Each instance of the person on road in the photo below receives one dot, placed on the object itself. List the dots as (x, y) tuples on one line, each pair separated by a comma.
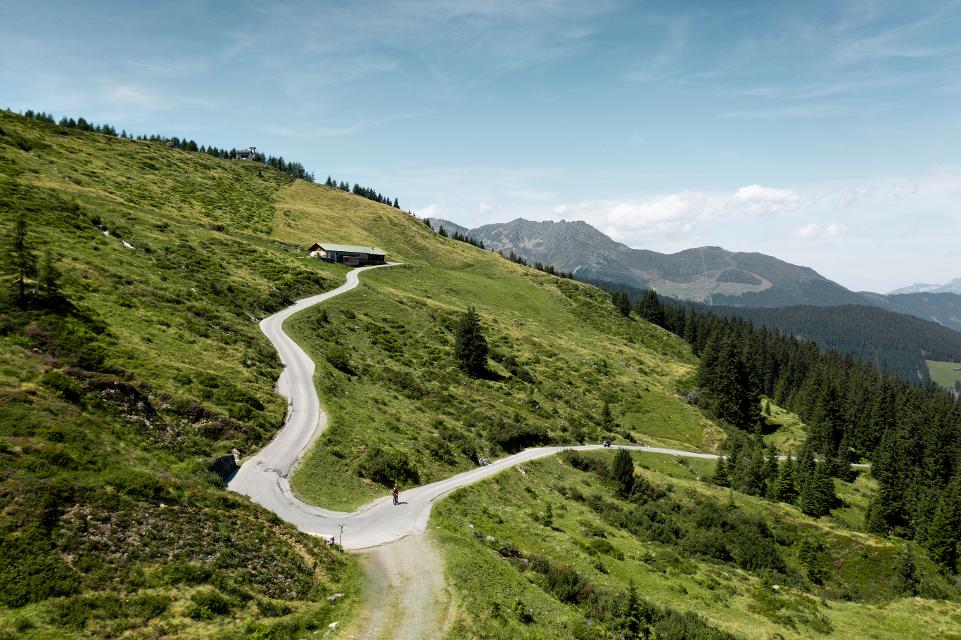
[(396, 493)]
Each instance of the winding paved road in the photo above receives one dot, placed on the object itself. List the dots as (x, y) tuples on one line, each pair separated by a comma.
[(265, 476)]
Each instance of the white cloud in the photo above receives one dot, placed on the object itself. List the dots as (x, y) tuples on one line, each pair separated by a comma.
[(818, 232), (756, 200), (808, 231), (430, 211), (678, 214)]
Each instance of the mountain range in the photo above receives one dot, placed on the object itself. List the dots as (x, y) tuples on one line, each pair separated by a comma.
[(710, 275), (952, 287)]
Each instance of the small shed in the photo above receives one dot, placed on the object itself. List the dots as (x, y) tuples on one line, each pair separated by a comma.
[(246, 154), (349, 254)]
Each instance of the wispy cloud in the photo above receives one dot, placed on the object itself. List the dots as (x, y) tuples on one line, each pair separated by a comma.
[(814, 231), (678, 214), (338, 131)]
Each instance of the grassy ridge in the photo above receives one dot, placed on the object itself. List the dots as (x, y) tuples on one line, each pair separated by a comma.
[(494, 533), (559, 355), (111, 405)]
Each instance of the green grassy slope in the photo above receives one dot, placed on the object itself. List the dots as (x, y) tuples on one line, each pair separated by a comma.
[(502, 534), (110, 406), (944, 373), (400, 402)]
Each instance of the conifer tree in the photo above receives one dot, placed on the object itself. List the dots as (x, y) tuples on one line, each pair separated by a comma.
[(817, 495), (49, 280), (944, 530), (20, 258), (721, 476), (621, 303), (632, 614), (606, 420), (770, 471), (470, 346), (650, 308), (905, 580), (621, 471), (785, 487)]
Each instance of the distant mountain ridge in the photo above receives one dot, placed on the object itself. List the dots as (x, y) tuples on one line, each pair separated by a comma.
[(703, 274), (710, 275), (951, 287)]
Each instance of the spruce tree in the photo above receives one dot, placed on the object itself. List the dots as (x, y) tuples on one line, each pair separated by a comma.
[(607, 420), (770, 471), (20, 258), (632, 614), (905, 580), (650, 308), (785, 487), (721, 476), (470, 346), (943, 531), (817, 495), (621, 303), (49, 280), (621, 472)]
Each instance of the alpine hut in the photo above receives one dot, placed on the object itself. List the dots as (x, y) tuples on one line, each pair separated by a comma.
[(349, 254)]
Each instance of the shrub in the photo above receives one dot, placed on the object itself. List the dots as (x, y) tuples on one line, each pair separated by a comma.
[(30, 570), (567, 584), (387, 466), (339, 359), (272, 608), (65, 386), (136, 483), (584, 462), (600, 545), (208, 603), (516, 435), (74, 613), (184, 573)]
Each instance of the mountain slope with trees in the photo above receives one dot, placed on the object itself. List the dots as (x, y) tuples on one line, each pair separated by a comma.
[(133, 358), (705, 274), (898, 343), (129, 359), (895, 342)]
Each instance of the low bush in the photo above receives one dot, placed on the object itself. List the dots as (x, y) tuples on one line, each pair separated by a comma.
[(387, 466), (513, 436), (31, 570), (208, 603), (339, 359)]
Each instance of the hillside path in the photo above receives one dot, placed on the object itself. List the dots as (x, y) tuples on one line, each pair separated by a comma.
[(265, 477)]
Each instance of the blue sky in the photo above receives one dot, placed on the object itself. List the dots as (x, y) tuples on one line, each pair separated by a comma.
[(827, 134)]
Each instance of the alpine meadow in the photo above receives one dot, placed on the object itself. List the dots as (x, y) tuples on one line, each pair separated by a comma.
[(133, 358), (480, 321)]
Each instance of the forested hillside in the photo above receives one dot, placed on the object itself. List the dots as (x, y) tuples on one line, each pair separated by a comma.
[(894, 342), (910, 434)]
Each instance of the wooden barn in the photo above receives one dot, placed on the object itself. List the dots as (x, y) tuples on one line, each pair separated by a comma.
[(349, 254)]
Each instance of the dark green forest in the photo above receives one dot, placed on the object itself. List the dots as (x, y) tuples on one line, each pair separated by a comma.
[(893, 342), (855, 412)]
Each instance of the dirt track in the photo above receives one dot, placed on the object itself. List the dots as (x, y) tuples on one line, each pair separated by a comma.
[(405, 595)]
